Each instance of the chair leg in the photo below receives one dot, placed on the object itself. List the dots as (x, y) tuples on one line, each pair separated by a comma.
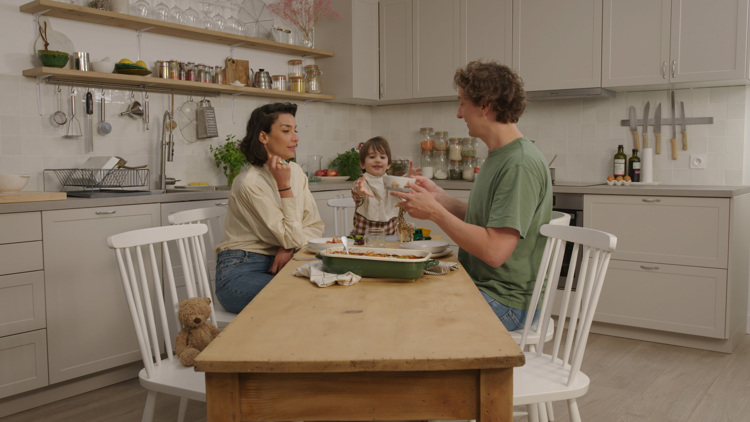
[(550, 412), (575, 415), (183, 409), (148, 410), (542, 412), (533, 411)]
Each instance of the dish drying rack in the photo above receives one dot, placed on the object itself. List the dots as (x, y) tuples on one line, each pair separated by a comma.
[(101, 179)]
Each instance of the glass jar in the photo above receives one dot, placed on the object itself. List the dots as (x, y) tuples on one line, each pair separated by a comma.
[(426, 140), (200, 72), (468, 166), (454, 149), (469, 148), (294, 68), (428, 169), (455, 170), (279, 82), (297, 83), (441, 141), (312, 81), (219, 75), (190, 71), (174, 69), (310, 67), (440, 164)]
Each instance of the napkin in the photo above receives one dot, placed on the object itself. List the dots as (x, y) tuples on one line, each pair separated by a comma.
[(441, 268), (314, 270)]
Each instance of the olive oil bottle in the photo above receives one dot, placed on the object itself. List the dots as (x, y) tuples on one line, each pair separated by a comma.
[(620, 162), (634, 167)]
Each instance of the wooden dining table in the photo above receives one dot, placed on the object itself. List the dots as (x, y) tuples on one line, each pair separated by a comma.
[(380, 349)]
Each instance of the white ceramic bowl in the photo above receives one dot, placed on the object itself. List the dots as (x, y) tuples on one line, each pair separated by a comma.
[(321, 244), (13, 182), (434, 246), (102, 66), (397, 182)]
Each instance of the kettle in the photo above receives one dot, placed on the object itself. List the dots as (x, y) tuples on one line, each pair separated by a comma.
[(261, 79)]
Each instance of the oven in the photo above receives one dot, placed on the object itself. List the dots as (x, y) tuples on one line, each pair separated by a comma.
[(569, 203)]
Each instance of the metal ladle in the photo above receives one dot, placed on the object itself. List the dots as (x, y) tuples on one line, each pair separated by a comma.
[(104, 128), (59, 117), (74, 126)]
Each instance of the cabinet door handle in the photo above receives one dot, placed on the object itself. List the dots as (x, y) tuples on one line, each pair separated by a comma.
[(664, 70), (651, 200), (105, 212), (650, 267), (220, 204), (674, 67), (382, 90)]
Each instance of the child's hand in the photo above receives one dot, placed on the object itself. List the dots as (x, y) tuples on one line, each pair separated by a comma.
[(360, 187), (414, 171)]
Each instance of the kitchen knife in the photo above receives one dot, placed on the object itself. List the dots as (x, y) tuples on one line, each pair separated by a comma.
[(645, 124), (657, 128), (684, 125), (634, 127), (674, 130)]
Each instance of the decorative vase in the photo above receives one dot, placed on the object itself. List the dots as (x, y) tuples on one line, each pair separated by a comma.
[(230, 176), (308, 38)]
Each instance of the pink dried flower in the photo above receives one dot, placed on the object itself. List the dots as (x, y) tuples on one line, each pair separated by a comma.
[(304, 14)]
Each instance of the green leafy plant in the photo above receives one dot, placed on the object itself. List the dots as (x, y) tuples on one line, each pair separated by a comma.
[(347, 164), (229, 158)]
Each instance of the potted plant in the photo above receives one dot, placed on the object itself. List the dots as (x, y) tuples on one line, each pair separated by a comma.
[(229, 158)]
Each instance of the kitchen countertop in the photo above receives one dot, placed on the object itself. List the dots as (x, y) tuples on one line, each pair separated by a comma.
[(219, 195)]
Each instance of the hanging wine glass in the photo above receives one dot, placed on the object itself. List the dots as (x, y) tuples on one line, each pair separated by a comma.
[(218, 23), (192, 17), (208, 9), (141, 8), (233, 24), (175, 13), (160, 12)]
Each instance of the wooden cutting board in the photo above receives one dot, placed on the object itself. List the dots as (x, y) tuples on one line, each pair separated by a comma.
[(13, 197), (237, 70)]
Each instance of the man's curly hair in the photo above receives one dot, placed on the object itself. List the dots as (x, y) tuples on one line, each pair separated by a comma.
[(493, 84)]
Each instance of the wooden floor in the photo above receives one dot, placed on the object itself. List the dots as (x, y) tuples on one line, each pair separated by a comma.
[(630, 381)]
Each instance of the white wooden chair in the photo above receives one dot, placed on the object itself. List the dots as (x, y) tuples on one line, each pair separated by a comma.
[(341, 213), (139, 256), (213, 217), (557, 376)]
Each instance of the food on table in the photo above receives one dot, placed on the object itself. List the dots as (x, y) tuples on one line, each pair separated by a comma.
[(378, 255)]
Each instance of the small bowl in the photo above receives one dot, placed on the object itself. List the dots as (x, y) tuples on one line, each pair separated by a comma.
[(102, 66), (397, 183), (13, 182), (434, 246), (321, 244), (52, 58)]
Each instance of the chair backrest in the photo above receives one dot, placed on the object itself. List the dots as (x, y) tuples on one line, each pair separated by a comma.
[(576, 309), (340, 214), (210, 216), (560, 218), (139, 256)]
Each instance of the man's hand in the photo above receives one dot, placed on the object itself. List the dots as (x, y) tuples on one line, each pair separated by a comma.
[(420, 202), (282, 257)]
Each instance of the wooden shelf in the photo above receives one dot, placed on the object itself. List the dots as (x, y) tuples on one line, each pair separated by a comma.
[(153, 84), (120, 20)]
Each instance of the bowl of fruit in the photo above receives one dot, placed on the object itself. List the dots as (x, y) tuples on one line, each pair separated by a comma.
[(330, 176), (127, 67)]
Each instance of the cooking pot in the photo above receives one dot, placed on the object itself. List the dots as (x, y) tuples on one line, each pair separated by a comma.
[(261, 79), (377, 267)]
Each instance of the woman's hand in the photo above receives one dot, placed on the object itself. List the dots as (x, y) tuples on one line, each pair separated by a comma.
[(360, 188), (280, 171), (282, 257)]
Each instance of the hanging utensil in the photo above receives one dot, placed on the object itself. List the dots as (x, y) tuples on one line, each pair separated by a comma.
[(59, 117), (103, 128), (552, 161), (88, 124), (74, 126), (145, 110), (205, 117)]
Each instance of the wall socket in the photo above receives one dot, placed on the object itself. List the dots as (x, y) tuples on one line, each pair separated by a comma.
[(698, 161)]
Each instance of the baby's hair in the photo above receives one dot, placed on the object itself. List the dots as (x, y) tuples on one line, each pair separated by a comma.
[(377, 144)]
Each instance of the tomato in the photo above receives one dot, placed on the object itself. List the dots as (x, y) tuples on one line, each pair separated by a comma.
[(321, 172), (333, 173)]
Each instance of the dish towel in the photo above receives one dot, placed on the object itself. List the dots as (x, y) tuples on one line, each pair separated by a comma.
[(441, 268), (314, 270)]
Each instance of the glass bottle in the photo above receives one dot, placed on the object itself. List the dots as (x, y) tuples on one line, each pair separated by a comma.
[(428, 169), (620, 162), (455, 170), (440, 163), (469, 148), (441, 141), (469, 164), (426, 141), (634, 167), (454, 149)]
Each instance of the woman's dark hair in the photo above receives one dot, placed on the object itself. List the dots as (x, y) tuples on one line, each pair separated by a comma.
[(377, 144), (261, 120), (493, 84)]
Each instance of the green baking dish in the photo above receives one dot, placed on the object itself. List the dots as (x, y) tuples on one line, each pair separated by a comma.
[(376, 267)]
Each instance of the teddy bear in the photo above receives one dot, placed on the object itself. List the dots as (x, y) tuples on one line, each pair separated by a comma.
[(196, 332)]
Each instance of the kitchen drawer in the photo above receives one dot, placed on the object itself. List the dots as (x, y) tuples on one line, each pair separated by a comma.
[(23, 362), (670, 230), (21, 303), (21, 227), (689, 300), (21, 257)]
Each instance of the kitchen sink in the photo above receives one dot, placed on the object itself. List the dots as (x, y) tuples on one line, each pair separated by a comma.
[(178, 189)]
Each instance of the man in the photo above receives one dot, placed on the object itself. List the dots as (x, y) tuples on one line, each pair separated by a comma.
[(498, 229)]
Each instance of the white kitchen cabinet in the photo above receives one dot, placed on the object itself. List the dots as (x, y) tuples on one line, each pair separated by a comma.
[(436, 47), (89, 328), (680, 273), (557, 44), (487, 31), (23, 362), (673, 41), (396, 58)]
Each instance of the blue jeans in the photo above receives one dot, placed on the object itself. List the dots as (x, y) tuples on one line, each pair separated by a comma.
[(240, 276), (513, 319)]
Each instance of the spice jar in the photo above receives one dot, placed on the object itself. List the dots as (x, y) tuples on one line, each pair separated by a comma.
[(279, 82), (440, 164), (441, 141), (190, 71), (294, 68), (426, 139), (428, 169), (469, 163), (174, 69), (455, 171), (454, 149), (218, 75), (312, 81), (469, 148), (297, 83)]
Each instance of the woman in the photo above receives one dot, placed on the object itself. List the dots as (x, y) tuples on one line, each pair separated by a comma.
[(270, 211)]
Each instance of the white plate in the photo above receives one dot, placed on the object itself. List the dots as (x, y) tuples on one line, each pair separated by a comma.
[(320, 244), (447, 251), (333, 179), (434, 246)]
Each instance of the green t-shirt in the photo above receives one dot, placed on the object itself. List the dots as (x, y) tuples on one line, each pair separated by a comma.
[(513, 190)]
